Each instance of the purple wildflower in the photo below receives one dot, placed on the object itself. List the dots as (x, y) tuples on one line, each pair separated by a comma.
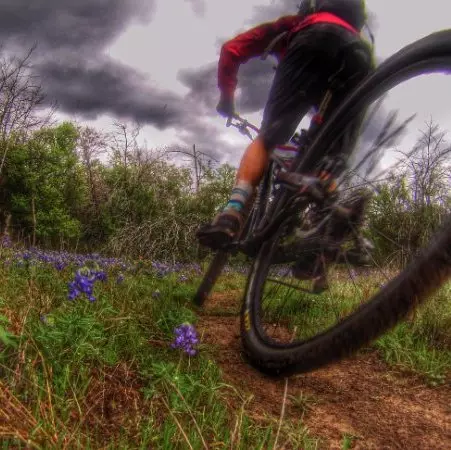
[(186, 339), (100, 275), (82, 284), (60, 265)]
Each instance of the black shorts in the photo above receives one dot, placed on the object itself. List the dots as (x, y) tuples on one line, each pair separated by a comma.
[(301, 81)]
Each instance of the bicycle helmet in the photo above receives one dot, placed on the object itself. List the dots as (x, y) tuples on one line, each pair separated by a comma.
[(353, 11)]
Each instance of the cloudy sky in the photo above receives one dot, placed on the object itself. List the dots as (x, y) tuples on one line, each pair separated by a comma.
[(154, 61)]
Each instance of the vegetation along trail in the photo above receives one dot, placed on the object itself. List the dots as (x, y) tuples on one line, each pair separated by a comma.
[(100, 352)]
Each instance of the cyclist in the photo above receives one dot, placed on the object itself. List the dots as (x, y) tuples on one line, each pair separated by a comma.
[(306, 45)]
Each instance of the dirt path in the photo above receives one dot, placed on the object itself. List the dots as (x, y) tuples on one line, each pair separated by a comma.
[(361, 396)]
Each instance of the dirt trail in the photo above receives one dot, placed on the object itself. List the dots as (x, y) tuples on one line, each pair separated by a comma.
[(360, 396)]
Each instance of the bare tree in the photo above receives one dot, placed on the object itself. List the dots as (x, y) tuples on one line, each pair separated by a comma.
[(21, 96), (124, 142), (201, 161), (428, 166)]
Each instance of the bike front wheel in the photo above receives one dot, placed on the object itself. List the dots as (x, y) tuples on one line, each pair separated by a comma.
[(277, 337)]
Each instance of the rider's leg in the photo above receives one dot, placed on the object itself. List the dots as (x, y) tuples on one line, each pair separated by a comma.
[(252, 167), (228, 223), (286, 106)]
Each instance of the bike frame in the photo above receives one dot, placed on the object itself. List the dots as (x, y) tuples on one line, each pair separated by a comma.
[(262, 222)]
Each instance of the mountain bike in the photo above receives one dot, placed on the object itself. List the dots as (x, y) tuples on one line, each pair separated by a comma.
[(283, 331)]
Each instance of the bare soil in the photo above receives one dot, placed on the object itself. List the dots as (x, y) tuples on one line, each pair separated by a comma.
[(360, 396)]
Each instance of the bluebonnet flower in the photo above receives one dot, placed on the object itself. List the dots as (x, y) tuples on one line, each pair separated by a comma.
[(60, 265), (183, 278), (82, 284), (100, 275), (161, 269), (186, 339)]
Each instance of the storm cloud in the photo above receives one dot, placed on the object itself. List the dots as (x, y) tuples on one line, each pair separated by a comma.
[(254, 82), (72, 39), (101, 86), (70, 58), (85, 26)]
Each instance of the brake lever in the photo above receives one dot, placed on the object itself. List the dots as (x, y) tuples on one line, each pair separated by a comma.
[(248, 134)]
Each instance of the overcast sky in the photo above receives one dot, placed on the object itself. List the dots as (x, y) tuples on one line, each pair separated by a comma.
[(155, 61)]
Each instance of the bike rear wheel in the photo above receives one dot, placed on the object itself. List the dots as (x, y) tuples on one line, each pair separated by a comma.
[(426, 273)]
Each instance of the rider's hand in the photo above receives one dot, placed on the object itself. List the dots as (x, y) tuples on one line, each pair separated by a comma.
[(226, 106)]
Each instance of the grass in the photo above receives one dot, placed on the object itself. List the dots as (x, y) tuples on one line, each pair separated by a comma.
[(80, 374), (421, 344), (102, 374), (303, 403)]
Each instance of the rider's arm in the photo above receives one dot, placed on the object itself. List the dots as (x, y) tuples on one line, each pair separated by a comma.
[(245, 46)]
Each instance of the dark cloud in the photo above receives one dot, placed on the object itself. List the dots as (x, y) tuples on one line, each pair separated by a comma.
[(71, 38), (207, 138), (105, 86), (83, 25), (202, 84), (254, 81)]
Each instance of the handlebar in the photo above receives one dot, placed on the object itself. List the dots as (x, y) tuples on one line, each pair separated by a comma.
[(243, 126)]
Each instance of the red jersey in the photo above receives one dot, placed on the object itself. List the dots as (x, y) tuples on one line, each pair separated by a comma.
[(255, 41)]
